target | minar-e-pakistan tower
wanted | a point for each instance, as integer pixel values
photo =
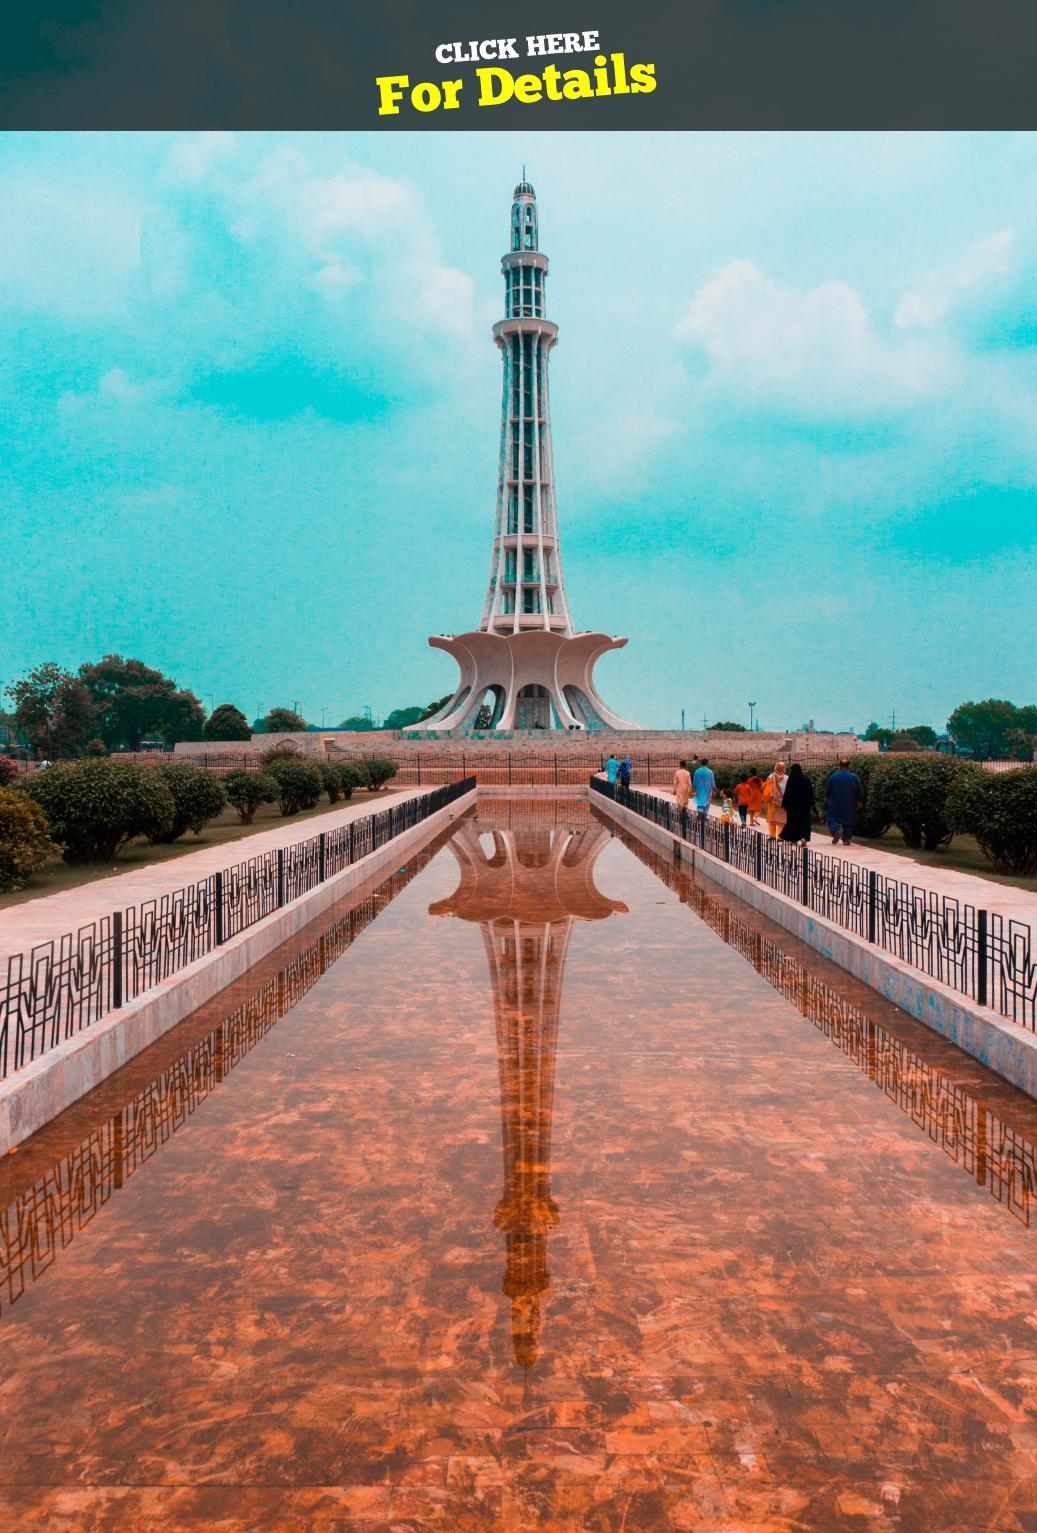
(525, 652)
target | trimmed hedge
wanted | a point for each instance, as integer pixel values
(198, 798)
(300, 783)
(1000, 810)
(8, 771)
(911, 792)
(95, 807)
(24, 842)
(247, 790)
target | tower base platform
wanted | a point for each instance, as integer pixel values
(532, 680)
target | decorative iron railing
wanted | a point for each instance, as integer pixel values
(70, 982)
(979, 953)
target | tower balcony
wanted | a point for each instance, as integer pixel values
(509, 327)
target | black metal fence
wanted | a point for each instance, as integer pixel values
(978, 953)
(64, 985)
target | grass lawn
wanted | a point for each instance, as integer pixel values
(56, 875)
(962, 855)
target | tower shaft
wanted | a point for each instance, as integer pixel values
(526, 589)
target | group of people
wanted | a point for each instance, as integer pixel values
(618, 771)
(785, 798)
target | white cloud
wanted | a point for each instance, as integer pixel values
(114, 390)
(943, 290)
(445, 299)
(352, 225)
(813, 352)
(190, 160)
(334, 279)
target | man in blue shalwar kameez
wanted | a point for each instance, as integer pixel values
(844, 799)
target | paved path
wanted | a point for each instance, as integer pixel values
(969, 888)
(22, 926)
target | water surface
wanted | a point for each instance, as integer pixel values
(540, 1188)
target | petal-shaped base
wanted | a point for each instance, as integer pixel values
(531, 674)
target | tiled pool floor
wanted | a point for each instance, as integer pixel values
(545, 1189)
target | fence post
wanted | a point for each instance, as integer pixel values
(419, 771)
(352, 842)
(727, 841)
(116, 959)
(321, 855)
(981, 957)
(509, 769)
(280, 876)
(806, 875)
(873, 904)
(702, 831)
(555, 760)
(759, 857)
(218, 881)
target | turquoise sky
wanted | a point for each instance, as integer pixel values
(250, 410)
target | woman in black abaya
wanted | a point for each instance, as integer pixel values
(797, 803)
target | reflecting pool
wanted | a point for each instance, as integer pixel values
(540, 1186)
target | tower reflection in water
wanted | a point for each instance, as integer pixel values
(526, 885)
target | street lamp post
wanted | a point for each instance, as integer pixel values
(751, 707)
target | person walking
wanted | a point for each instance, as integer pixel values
(611, 770)
(624, 774)
(704, 784)
(844, 800)
(754, 783)
(742, 796)
(773, 793)
(797, 802)
(682, 785)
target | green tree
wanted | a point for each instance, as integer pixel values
(876, 732)
(226, 723)
(902, 741)
(198, 798)
(54, 711)
(356, 721)
(351, 775)
(135, 702)
(432, 708)
(284, 721)
(24, 842)
(403, 718)
(483, 718)
(1000, 810)
(925, 734)
(299, 783)
(95, 807)
(378, 771)
(247, 790)
(731, 727)
(912, 794)
(980, 729)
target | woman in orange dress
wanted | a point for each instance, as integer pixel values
(754, 798)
